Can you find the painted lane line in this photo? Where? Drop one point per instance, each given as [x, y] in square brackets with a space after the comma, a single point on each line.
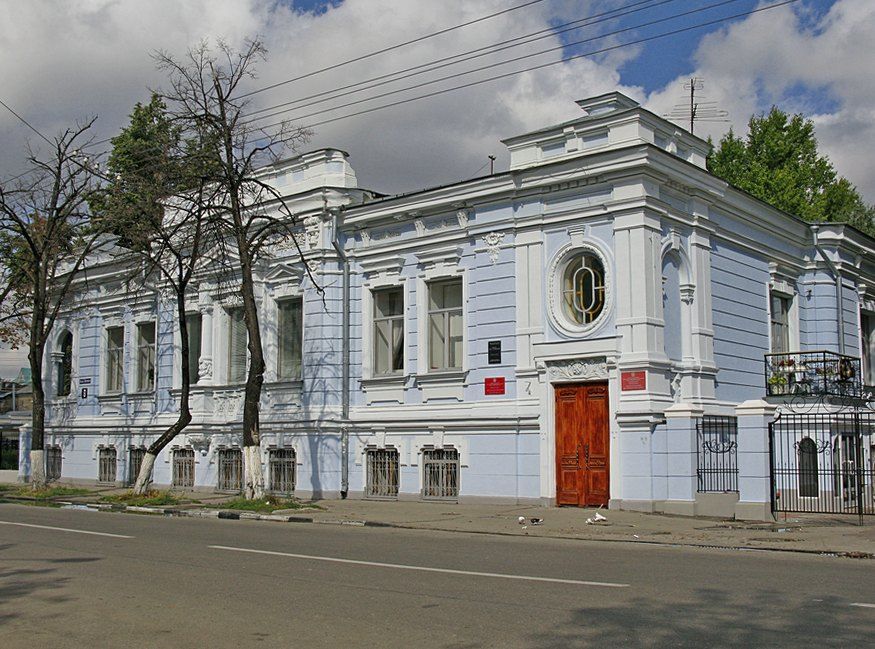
[401, 566]
[66, 529]
[863, 605]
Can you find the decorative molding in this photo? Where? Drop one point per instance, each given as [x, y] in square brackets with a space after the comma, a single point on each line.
[578, 369]
[381, 266]
[205, 368]
[463, 215]
[439, 256]
[419, 224]
[493, 244]
[296, 241]
[554, 286]
[688, 293]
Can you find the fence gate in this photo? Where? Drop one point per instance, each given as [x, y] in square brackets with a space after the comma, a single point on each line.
[823, 463]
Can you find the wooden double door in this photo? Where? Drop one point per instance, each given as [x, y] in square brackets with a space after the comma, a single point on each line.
[582, 438]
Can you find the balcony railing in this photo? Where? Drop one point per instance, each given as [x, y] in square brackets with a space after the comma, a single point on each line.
[817, 373]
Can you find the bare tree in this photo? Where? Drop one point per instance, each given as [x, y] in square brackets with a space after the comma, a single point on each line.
[45, 237]
[204, 96]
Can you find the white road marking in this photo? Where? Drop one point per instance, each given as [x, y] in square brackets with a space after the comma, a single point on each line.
[66, 529]
[401, 566]
[863, 605]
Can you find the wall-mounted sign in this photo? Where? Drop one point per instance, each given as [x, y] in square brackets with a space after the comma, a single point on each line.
[84, 380]
[630, 381]
[494, 385]
[494, 347]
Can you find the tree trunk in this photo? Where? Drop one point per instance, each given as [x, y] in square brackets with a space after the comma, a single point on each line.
[144, 477]
[38, 418]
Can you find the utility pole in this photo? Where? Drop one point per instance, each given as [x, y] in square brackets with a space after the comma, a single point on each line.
[696, 110]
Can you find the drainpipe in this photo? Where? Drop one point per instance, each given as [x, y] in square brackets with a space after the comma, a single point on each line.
[344, 393]
[838, 281]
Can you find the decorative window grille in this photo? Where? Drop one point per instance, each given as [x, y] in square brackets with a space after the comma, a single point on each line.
[717, 454]
[183, 467]
[106, 465]
[290, 332]
[282, 466]
[388, 331]
[440, 474]
[193, 324]
[53, 463]
[583, 289]
[381, 473]
[145, 356]
[445, 325]
[237, 341]
[65, 367]
[135, 461]
[780, 323]
[115, 349]
[230, 469]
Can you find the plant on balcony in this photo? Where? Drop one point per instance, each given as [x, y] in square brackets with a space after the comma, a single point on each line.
[777, 383]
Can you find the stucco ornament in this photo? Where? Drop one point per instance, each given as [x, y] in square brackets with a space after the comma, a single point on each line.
[579, 369]
[493, 244]
[205, 368]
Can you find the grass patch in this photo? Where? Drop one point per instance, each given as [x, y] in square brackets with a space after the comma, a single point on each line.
[48, 492]
[148, 499]
[265, 505]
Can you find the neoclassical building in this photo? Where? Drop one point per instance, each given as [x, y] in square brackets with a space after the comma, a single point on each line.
[589, 327]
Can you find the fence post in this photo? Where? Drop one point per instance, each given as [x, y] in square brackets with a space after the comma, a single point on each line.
[754, 463]
[681, 420]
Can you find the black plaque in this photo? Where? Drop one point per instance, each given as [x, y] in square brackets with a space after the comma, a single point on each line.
[495, 352]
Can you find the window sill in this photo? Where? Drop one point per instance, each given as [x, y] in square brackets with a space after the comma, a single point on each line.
[384, 389]
[442, 376]
[442, 385]
[384, 379]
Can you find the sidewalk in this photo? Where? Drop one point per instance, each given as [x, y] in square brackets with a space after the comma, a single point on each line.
[823, 534]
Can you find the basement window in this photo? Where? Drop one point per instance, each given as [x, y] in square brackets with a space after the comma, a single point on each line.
[440, 474]
[230, 470]
[382, 472]
[282, 465]
[53, 463]
[106, 461]
[183, 468]
[135, 461]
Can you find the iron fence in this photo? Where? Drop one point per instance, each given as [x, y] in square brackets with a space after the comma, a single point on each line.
[382, 472]
[823, 462]
[135, 463]
[183, 468]
[282, 465]
[230, 470]
[717, 454]
[816, 373]
[440, 474]
[8, 450]
[106, 464]
[53, 463]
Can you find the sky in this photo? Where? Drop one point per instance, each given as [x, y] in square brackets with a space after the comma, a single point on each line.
[67, 61]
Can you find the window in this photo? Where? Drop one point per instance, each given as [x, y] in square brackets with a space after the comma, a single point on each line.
[193, 325]
[867, 340]
[145, 357]
[381, 480]
[115, 349]
[583, 289]
[808, 468]
[389, 331]
[135, 461]
[183, 467]
[445, 325]
[440, 474]
[65, 367]
[281, 468]
[106, 458]
[53, 463]
[780, 324]
[237, 340]
[290, 333]
[230, 469]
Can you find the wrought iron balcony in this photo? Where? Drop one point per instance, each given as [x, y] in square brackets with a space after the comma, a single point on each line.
[815, 374]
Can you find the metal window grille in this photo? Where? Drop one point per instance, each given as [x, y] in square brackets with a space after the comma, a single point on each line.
[282, 465]
[9, 450]
[381, 473]
[53, 463]
[135, 461]
[183, 467]
[717, 454]
[106, 461]
[440, 474]
[230, 469]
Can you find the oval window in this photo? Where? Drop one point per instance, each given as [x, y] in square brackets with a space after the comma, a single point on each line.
[583, 289]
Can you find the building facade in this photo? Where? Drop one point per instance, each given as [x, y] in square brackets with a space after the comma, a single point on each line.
[566, 332]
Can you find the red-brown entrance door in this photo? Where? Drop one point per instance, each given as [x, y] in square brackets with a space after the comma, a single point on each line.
[582, 468]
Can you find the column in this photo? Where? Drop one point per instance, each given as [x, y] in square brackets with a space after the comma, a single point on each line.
[205, 364]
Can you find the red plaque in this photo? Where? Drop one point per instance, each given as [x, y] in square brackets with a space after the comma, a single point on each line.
[630, 381]
[494, 385]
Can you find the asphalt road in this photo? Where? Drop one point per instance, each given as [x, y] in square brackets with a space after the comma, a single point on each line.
[180, 582]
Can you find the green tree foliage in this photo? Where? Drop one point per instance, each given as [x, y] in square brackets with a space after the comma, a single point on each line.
[779, 163]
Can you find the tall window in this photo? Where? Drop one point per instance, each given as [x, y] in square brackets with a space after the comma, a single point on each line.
[445, 325]
[193, 325]
[583, 289]
[389, 330]
[65, 367]
[867, 340]
[115, 349]
[237, 339]
[290, 333]
[145, 356]
[780, 324]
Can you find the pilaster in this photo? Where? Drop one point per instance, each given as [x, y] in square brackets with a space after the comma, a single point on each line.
[754, 467]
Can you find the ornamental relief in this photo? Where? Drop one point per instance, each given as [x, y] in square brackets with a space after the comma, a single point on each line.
[578, 369]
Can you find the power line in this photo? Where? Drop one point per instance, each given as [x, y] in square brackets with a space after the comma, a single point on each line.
[490, 66]
[389, 49]
[25, 122]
